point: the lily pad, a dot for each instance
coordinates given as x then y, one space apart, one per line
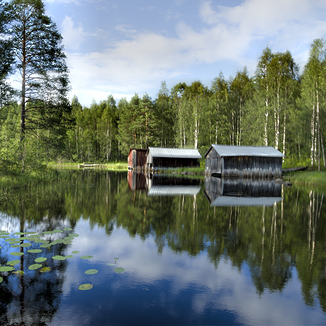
85 287
19 273
58 257
86 257
34 251
69 256
75 252
19 233
4 236
75 235
46 245
1 279
57 231
67 229
110 264
13 262
15 246
15 253
91 271
45 269
119 270
6 269
25 245
40 259
35 266
116 258
47 232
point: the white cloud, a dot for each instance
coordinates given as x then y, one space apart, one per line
227 33
73 37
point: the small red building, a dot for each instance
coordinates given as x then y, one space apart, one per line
137 159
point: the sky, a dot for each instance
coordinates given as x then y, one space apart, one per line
123 47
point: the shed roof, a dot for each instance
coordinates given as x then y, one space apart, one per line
174 152
226 150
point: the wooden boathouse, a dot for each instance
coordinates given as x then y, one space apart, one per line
162 158
243 162
137 159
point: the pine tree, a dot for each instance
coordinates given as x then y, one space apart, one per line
40 60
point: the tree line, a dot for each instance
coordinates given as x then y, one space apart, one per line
277 106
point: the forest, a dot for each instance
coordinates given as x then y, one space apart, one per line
277 106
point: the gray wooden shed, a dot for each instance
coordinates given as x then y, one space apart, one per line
243 161
160 158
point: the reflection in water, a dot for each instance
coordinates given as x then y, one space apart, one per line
242 192
186 262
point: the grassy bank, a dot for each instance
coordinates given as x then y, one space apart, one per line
307 178
122 166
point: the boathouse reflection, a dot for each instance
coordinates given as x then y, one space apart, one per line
242 192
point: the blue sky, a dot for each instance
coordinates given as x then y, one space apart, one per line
123 47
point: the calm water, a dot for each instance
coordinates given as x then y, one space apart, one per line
189 256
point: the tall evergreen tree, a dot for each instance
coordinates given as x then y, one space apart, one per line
40 60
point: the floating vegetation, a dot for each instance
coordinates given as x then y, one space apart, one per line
119 270
85 287
45 269
116 258
110 264
25 245
13 262
86 257
75 235
75 252
15 246
1 279
19 273
35 266
58 257
67 229
69 256
15 253
57 231
40 259
19 233
91 271
6 269
46 245
34 251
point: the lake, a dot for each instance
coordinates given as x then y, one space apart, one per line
162 251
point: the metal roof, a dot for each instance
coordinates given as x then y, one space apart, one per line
174 152
223 201
226 150
173 190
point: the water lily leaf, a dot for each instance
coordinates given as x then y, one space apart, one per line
38 241
13 262
4 236
119 270
6 269
91 271
75 235
19 273
46 245
19 233
47 232
22 238
57 231
116 258
40 259
35 266
86 257
34 251
110 264
75 252
67 229
1 279
34 236
58 257
15 246
10 239
85 287
25 245
45 269
15 253
69 256
67 242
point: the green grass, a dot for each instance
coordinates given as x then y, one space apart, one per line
307 178
122 166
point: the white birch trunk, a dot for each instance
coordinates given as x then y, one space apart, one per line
284 133
312 151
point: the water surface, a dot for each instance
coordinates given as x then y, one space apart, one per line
187 258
